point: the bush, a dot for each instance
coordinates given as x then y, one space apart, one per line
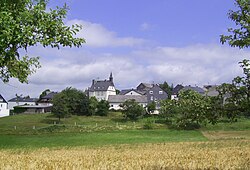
132 110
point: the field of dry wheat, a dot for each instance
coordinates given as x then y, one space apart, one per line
224 154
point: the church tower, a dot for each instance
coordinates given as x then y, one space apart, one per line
111 77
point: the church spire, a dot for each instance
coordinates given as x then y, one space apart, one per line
111 77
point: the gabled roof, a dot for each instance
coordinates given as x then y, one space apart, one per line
2 100
123 98
101 85
177 88
49 96
196 88
123 92
23 99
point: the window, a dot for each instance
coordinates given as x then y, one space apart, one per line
1 105
160 92
150 92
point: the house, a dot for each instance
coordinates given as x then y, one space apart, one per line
130 92
195 88
116 100
179 88
102 89
211 90
32 109
176 91
144 87
47 99
156 94
4 111
18 101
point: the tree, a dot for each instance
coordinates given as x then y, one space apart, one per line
168 89
71 102
27 23
102 108
238 94
190 111
131 109
93 105
240 36
151 107
60 108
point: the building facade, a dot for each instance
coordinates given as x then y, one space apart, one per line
4 111
102 89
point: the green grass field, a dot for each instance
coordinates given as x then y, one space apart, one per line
40 130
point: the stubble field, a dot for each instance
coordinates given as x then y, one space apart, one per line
219 154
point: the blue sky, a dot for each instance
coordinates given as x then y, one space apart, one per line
139 41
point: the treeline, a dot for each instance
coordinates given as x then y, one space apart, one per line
192 110
71 101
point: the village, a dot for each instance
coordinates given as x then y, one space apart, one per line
143 94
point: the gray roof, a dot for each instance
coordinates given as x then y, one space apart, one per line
49 96
123 92
2 100
23 99
177 88
123 98
196 88
101 85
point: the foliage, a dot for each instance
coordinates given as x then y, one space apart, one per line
60 108
27 23
132 110
236 96
240 36
44 93
19 110
93 103
70 102
151 107
190 111
102 108
238 100
168 89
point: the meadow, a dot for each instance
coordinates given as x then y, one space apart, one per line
79 142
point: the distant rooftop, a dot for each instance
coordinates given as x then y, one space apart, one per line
123 98
23 99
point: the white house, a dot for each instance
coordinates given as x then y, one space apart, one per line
102 89
19 101
116 100
4 111
130 92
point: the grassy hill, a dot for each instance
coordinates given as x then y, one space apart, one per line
43 130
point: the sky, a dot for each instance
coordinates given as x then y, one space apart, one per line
151 41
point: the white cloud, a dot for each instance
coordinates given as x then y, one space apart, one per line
97 35
145 26
195 64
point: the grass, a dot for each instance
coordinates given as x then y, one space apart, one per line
98 138
38 130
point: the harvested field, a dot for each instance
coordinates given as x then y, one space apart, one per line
222 154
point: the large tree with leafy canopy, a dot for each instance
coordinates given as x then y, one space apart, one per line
26 23
240 37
